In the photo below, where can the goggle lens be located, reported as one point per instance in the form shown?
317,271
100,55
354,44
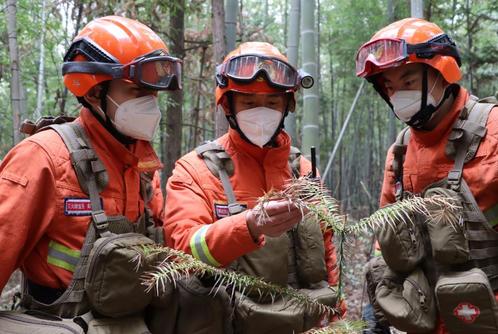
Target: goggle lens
246,68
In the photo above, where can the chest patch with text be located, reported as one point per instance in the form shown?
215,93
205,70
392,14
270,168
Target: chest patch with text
78,207
221,209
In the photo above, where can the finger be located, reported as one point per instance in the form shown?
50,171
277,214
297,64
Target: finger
286,215
275,207
278,230
282,224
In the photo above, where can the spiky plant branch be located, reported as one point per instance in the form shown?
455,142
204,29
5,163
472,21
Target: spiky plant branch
176,265
312,197
309,196
341,264
340,327
439,209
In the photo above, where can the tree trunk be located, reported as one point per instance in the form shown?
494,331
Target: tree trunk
41,67
196,129
218,22
62,99
266,18
470,44
232,9
173,141
392,118
311,99
16,87
417,8
292,55
286,19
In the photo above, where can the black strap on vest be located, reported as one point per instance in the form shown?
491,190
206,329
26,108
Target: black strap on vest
93,178
220,164
463,142
399,152
464,139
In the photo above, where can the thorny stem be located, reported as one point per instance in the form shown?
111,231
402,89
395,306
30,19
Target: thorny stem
177,265
307,195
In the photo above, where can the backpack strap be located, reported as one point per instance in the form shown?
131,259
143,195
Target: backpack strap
399,152
466,136
93,178
87,165
220,164
295,161
146,224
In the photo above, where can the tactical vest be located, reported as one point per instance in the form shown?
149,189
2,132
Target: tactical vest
295,258
463,142
104,230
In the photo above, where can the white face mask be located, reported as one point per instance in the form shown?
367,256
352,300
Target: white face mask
137,118
406,103
259,124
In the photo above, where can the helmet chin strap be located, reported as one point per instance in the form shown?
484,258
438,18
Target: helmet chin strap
427,111
232,121
106,123
419,119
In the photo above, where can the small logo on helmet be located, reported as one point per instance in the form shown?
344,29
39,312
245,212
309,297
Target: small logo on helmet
467,312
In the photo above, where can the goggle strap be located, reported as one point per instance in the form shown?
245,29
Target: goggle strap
439,45
90,50
114,70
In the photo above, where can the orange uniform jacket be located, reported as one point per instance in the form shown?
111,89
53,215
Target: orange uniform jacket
43,208
426,162
196,213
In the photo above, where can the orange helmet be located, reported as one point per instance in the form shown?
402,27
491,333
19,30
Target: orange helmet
115,47
410,40
258,68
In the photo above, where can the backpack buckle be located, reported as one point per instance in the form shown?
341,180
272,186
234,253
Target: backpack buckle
454,178
100,220
235,208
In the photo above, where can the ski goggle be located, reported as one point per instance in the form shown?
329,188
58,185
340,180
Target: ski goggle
247,68
389,52
155,71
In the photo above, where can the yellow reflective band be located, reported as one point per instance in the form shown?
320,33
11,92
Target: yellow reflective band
200,249
62,256
61,264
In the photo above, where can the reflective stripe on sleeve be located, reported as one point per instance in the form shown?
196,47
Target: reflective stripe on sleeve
199,247
62,256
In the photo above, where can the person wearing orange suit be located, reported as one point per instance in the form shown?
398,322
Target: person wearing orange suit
415,68
256,88
44,212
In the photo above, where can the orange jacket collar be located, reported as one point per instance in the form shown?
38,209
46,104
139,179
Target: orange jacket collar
430,138
140,155
278,157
